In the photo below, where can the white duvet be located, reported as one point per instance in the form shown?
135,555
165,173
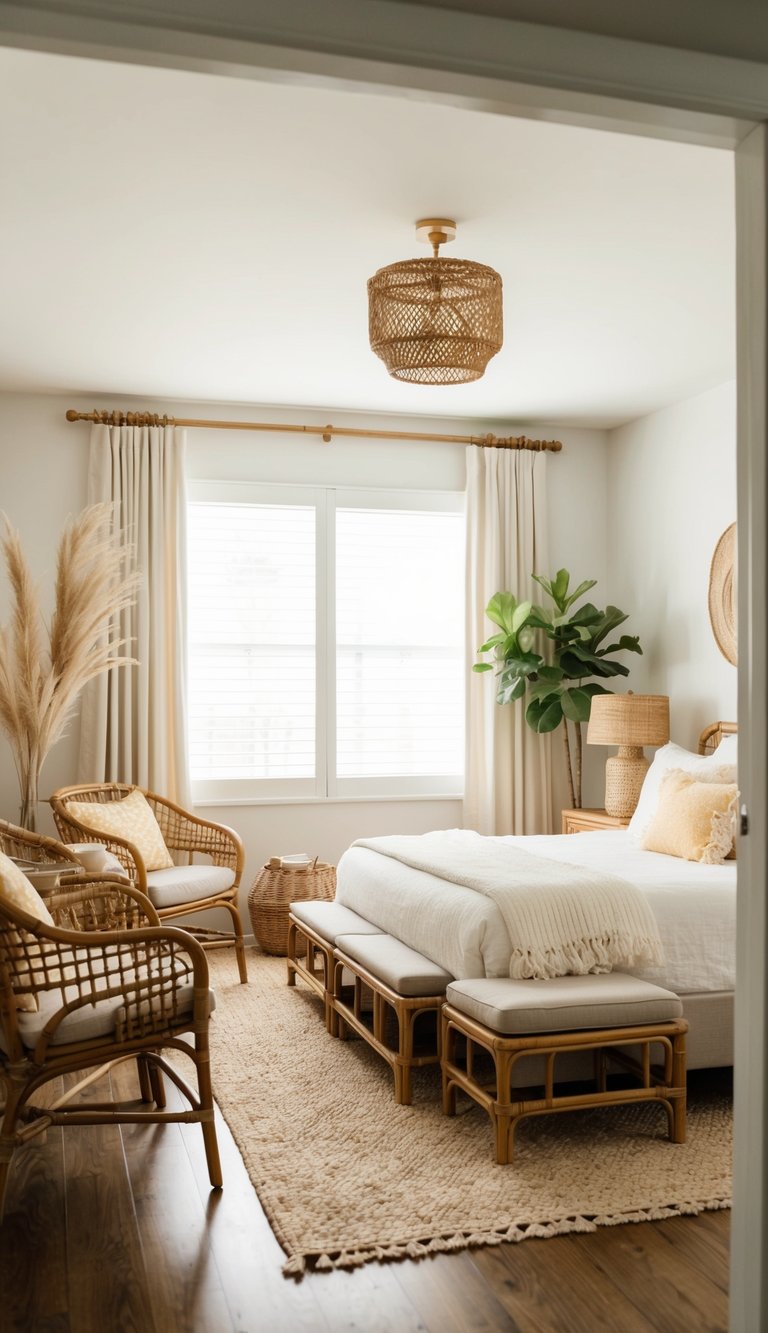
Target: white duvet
694,906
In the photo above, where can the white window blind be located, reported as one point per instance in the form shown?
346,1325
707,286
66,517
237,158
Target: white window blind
399,643
252,642
326,652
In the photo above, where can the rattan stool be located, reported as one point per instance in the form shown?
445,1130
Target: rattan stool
313,929
403,983
512,1020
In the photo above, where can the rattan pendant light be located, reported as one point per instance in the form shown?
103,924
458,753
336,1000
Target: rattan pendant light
435,321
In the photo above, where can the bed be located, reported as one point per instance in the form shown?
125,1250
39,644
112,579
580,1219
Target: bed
694,906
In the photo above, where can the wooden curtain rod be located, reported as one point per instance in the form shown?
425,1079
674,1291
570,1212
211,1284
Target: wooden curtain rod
327,432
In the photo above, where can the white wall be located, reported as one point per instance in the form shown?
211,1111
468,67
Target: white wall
43,463
672,492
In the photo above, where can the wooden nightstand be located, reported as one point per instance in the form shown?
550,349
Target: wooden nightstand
586,821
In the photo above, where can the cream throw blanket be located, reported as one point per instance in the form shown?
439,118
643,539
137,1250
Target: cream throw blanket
561,919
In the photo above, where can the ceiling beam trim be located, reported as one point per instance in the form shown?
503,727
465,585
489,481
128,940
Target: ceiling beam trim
466,59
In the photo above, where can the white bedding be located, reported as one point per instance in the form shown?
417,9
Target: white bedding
694,906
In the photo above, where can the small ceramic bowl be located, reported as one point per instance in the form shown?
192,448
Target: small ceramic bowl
91,855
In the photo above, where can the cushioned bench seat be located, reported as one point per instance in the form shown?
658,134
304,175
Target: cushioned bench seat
514,1020
403,983
400,968
313,928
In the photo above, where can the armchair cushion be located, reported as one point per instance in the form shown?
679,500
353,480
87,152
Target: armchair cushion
187,884
132,819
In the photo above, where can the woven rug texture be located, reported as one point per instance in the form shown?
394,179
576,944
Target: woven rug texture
345,1176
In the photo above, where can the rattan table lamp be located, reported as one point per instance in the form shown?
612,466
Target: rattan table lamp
629,721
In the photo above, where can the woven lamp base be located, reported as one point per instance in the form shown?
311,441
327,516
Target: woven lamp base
624,776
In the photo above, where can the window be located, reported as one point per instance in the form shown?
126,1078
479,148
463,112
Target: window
326,644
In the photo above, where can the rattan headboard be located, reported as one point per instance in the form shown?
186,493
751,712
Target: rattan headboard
712,735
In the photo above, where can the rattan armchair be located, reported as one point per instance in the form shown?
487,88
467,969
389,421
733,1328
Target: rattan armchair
208,885
110,984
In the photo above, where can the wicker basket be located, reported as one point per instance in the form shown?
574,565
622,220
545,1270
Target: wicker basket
275,888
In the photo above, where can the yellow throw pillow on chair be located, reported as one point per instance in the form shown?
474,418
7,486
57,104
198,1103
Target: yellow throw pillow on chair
17,890
132,819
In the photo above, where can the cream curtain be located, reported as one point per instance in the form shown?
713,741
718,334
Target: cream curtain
133,720
508,771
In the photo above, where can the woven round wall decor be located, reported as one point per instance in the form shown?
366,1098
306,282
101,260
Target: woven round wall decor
722,595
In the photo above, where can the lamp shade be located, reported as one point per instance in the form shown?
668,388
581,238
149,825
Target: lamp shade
629,719
435,321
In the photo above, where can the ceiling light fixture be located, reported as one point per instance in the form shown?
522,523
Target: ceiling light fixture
435,321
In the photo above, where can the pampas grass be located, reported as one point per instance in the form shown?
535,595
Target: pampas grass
42,673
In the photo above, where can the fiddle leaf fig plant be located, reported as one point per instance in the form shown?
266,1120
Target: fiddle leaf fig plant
556,658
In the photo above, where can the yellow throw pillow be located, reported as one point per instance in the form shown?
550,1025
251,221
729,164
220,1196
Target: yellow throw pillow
15,886
694,820
17,890
131,819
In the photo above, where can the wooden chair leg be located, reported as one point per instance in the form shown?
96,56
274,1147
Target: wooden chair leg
145,1084
207,1113
239,941
157,1083
13,1096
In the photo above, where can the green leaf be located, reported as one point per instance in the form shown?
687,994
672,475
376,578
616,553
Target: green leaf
612,617
628,643
582,588
576,705
511,692
483,666
543,689
544,715
594,688
539,618
545,583
560,587
551,673
501,609
525,638
520,615
588,614
522,665
491,643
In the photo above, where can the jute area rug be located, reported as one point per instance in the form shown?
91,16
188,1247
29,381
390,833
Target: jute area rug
345,1176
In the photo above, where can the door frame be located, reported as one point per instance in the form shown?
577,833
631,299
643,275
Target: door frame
607,83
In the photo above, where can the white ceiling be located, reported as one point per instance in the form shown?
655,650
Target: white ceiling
192,237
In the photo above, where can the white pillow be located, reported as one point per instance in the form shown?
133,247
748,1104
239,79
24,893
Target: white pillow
705,767
727,751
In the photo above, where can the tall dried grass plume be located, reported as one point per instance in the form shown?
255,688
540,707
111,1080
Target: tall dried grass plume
43,668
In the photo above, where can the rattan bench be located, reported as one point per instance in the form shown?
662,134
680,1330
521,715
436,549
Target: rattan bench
512,1020
403,983
313,928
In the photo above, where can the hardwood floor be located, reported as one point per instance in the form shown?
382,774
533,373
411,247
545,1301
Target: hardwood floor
113,1229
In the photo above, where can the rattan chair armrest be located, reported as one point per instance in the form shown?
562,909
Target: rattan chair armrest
184,831
53,947
21,843
91,900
